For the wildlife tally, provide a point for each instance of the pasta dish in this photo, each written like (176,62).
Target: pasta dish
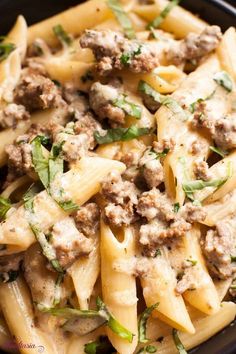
(118,180)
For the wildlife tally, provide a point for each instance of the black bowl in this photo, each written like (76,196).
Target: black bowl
(214,11)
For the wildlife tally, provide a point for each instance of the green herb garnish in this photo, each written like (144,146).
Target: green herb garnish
(5,49)
(223,79)
(122,18)
(167,101)
(164,13)
(47,249)
(100,346)
(68,205)
(5,205)
(193,186)
(179,345)
(176,207)
(128,107)
(120,134)
(112,323)
(127,57)
(61,34)
(29,195)
(218,151)
(142,325)
(192,261)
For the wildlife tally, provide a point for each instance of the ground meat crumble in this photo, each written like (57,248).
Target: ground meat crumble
(113,51)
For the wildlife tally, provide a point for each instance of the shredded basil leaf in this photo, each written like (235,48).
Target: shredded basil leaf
(128,107)
(218,151)
(100,346)
(233,258)
(192,261)
(55,162)
(122,18)
(157,253)
(120,134)
(164,13)
(5,205)
(68,205)
(193,186)
(223,79)
(47,248)
(127,57)
(164,100)
(113,324)
(39,161)
(142,325)
(5,49)
(176,207)
(61,34)
(29,195)
(179,345)
(57,290)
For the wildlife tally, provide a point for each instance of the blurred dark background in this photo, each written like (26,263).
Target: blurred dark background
(36,10)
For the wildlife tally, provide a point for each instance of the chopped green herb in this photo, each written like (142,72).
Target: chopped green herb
(61,34)
(152,33)
(5,49)
(218,151)
(192,261)
(157,253)
(193,186)
(100,346)
(40,162)
(151,349)
(68,205)
(233,259)
(120,134)
(162,154)
(167,101)
(176,207)
(127,57)
(193,105)
(128,107)
(113,324)
(55,162)
(223,79)
(164,13)
(178,343)
(142,325)
(5,205)
(29,195)
(47,248)
(122,18)
(57,290)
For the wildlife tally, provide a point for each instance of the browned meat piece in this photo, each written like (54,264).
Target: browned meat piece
(12,114)
(164,224)
(39,278)
(87,125)
(121,197)
(188,280)
(101,98)
(69,242)
(159,232)
(87,219)
(201,170)
(37,92)
(19,159)
(113,51)
(151,168)
(219,247)
(164,145)
(195,46)
(192,213)
(224,132)
(154,204)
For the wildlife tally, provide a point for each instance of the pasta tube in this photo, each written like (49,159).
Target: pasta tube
(81,183)
(119,289)
(17,309)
